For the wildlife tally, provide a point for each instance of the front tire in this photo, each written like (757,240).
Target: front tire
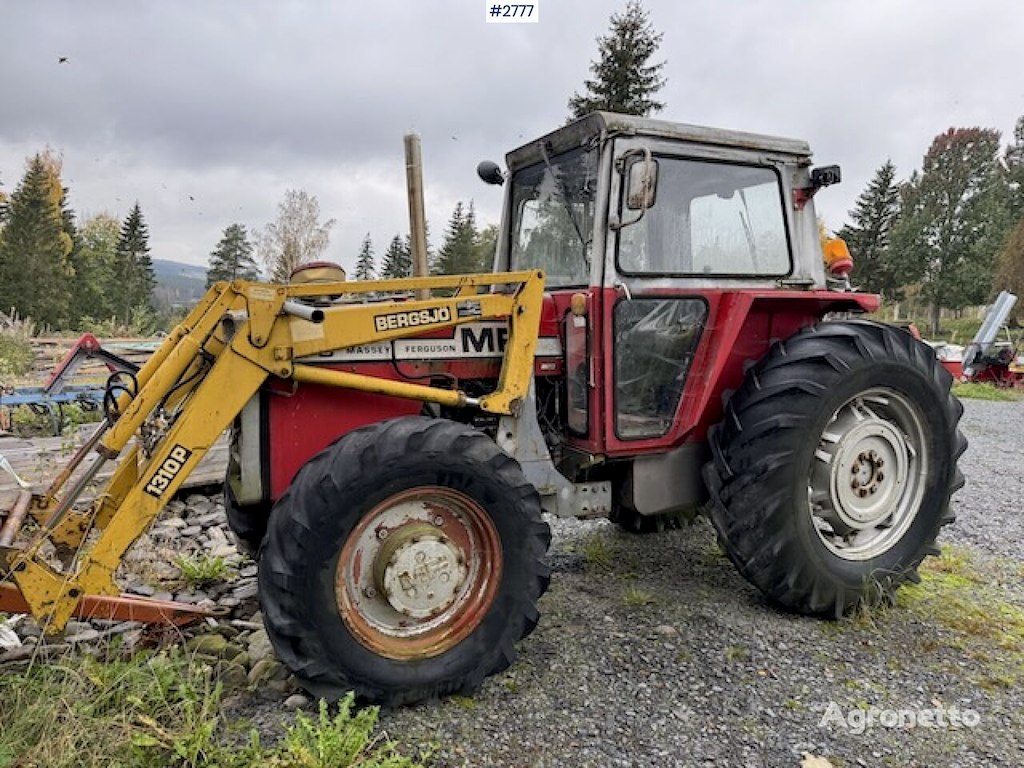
(403,563)
(833,468)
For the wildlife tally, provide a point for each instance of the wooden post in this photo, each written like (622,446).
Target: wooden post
(417,218)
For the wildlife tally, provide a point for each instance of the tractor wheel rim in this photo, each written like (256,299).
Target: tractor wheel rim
(868,474)
(418,573)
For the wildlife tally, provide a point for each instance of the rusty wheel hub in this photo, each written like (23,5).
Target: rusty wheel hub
(418,573)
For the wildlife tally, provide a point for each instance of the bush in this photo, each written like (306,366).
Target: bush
(16,355)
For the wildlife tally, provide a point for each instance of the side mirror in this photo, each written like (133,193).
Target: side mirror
(490,173)
(639,170)
(642,184)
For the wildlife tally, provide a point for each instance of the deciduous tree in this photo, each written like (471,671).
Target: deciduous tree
(953,219)
(297,235)
(623,79)
(1010,269)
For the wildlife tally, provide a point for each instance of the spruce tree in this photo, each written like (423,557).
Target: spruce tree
(232,259)
(134,268)
(459,254)
(35,268)
(623,80)
(1015,173)
(364,264)
(876,267)
(397,260)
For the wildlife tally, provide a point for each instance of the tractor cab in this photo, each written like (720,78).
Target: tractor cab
(672,254)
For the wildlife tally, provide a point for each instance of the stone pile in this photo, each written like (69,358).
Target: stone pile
(235,645)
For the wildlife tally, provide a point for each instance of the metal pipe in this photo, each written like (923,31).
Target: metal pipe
(80,454)
(72,496)
(310,374)
(417,216)
(15,519)
(306,312)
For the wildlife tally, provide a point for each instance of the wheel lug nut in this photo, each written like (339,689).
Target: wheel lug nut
(880,463)
(382,532)
(438,521)
(881,477)
(853,484)
(369,593)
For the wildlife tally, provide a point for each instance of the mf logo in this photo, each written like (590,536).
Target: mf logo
(484,340)
(169,469)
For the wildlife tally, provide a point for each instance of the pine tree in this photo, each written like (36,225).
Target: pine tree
(232,258)
(35,267)
(623,80)
(364,265)
(460,254)
(133,266)
(877,268)
(397,260)
(953,219)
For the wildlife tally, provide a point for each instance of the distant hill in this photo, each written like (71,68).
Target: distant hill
(178,284)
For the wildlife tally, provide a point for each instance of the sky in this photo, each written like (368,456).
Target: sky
(207,112)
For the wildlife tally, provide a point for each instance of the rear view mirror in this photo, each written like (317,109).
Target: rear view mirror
(640,181)
(642,184)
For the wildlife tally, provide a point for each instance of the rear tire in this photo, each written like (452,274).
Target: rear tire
(832,471)
(403,563)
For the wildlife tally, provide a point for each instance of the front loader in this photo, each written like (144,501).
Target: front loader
(663,333)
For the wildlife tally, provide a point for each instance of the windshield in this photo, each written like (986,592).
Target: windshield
(553,217)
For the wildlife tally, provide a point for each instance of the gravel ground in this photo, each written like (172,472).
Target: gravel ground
(653,651)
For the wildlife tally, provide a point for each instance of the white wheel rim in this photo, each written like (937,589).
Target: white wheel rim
(868,474)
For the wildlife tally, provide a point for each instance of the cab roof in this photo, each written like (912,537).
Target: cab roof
(582,131)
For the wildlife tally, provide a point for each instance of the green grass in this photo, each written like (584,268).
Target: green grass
(163,710)
(981,391)
(969,603)
(202,570)
(598,552)
(637,597)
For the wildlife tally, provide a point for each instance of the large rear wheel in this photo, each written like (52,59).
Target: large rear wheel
(404,563)
(833,468)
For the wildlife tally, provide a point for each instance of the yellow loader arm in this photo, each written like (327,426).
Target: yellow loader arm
(190,390)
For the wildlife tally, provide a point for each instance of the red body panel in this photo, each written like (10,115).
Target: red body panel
(739,327)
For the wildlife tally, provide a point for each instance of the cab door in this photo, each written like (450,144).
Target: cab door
(689,226)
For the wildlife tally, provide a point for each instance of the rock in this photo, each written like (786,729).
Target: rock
(191,531)
(260,647)
(208,521)
(245,590)
(249,571)
(666,630)
(173,522)
(85,636)
(266,671)
(226,550)
(296,701)
(208,645)
(142,589)
(231,675)
(242,660)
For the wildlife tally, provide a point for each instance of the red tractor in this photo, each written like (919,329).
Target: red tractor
(693,352)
